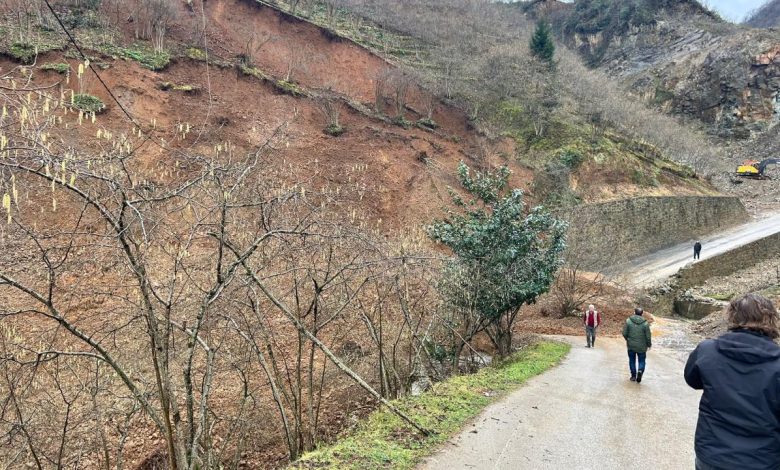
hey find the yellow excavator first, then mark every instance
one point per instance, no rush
(755, 169)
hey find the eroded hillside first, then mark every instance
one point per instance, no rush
(215, 221)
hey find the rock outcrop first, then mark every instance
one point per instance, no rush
(691, 64)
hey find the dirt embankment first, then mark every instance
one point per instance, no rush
(543, 317)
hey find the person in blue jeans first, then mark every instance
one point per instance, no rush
(636, 331)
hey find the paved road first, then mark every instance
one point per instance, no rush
(657, 267)
(585, 415)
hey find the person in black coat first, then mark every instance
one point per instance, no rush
(739, 412)
(697, 250)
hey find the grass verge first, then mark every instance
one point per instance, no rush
(383, 441)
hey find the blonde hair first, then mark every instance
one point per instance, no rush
(756, 313)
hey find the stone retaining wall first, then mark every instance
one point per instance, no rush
(729, 262)
(605, 234)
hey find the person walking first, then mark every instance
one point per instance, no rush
(739, 411)
(697, 250)
(592, 320)
(636, 331)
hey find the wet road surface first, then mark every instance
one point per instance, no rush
(586, 414)
(657, 267)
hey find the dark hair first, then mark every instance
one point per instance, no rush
(755, 313)
(638, 311)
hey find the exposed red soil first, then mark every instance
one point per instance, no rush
(403, 174)
(542, 318)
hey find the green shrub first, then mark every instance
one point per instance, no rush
(23, 52)
(289, 88)
(641, 178)
(153, 61)
(253, 72)
(401, 121)
(88, 103)
(61, 68)
(571, 157)
(140, 53)
(437, 351)
(197, 54)
(335, 130)
(26, 52)
(427, 123)
(542, 45)
(662, 95)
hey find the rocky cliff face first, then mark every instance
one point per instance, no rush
(734, 89)
(694, 65)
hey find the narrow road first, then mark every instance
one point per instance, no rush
(586, 414)
(657, 267)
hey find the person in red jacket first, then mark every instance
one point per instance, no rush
(592, 320)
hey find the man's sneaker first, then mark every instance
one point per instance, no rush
(639, 376)
(633, 378)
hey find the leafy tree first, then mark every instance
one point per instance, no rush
(542, 45)
(504, 257)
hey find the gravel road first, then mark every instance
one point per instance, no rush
(657, 267)
(586, 414)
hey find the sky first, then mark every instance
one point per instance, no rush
(734, 10)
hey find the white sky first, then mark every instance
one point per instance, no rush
(734, 10)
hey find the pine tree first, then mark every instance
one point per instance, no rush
(542, 45)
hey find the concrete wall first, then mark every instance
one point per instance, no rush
(728, 263)
(610, 233)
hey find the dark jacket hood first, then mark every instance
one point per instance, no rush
(748, 347)
(638, 319)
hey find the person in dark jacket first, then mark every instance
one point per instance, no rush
(697, 250)
(739, 412)
(636, 331)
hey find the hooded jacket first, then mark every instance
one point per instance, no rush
(739, 412)
(636, 331)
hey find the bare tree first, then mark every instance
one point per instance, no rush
(131, 291)
(380, 84)
(254, 44)
(330, 108)
(400, 83)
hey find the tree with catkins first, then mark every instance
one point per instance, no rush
(147, 297)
